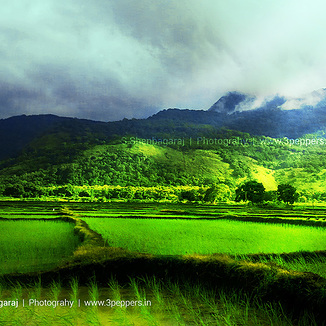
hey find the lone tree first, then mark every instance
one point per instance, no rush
(287, 193)
(251, 190)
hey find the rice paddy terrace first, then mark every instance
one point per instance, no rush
(151, 250)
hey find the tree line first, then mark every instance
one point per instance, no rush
(250, 191)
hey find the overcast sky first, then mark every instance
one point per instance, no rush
(110, 59)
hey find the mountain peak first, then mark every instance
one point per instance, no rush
(238, 102)
(229, 103)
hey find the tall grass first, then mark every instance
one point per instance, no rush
(27, 246)
(170, 237)
(313, 263)
(171, 304)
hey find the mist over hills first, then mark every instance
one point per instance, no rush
(238, 102)
(273, 117)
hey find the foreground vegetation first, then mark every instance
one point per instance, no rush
(158, 303)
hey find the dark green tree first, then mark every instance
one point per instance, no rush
(14, 190)
(270, 195)
(189, 195)
(84, 193)
(252, 190)
(287, 193)
(211, 194)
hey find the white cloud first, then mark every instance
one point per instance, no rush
(131, 58)
(311, 99)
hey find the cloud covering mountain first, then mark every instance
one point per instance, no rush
(238, 102)
(107, 59)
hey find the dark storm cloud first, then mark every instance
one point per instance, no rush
(84, 95)
(107, 59)
(12, 96)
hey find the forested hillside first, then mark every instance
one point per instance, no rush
(77, 161)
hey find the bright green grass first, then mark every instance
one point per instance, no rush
(33, 245)
(29, 210)
(157, 210)
(28, 216)
(115, 209)
(171, 237)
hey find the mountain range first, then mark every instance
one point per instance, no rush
(273, 116)
(238, 102)
(50, 151)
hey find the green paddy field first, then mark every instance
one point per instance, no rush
(32, 245)
(181, 237)
(77, 251)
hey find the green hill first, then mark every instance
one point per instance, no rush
(226, 158)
